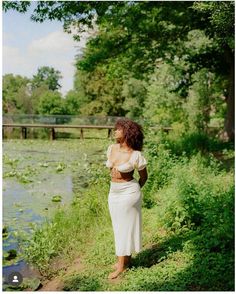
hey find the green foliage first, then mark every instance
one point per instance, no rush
(134, 93)
(160, 61)
(103, 95)
(22, 95)
(195, 197)
(51, 103)
(69, 225)
(198, 104)
(170, 64)
(81, 283)
(190, 143)
(15, 94)
(47, 75)
(159, 171)
(72, 103)
(188, 228)
(220, 20)
(163, 105)
(36, 93)
(19, 6)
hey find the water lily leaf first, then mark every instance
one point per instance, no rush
(57, 198)
(10, 174)
(11, 254)
(60, 167)
(17, 204)
(44, 164)
(4, 235)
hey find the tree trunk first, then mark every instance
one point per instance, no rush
(228, 133)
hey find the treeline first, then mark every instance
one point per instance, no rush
(170, 63)
(39, 95)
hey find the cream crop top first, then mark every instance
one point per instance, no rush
(136, 160)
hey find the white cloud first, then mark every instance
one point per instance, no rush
(56, 42)
(13, 61)
(57, 49)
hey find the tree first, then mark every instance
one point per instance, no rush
(47, 75)
(15, 94)
(219, 24)
(71, 103)
(51, 102)
(136, 34)
(103, 95)
(134, 92)
(36, 93)
(163, 105)
(199, 100)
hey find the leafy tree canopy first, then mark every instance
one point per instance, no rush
(49, 76)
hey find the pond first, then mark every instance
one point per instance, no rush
(38, 177)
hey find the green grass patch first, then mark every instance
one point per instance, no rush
(188, 229)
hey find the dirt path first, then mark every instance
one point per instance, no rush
(56, 284)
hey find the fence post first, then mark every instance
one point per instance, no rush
(81, 133)
(109, 133)
(52, 134)
(23, 133)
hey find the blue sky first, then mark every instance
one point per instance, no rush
(28, 45)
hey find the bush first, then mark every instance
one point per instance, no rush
(200, 197)
(193, 142)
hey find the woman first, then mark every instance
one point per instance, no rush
(125, 195)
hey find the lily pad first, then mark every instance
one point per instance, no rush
(44, 164)
(10, 254)
(60, 167)
(57, 198)
(4, 230)
(10, 174)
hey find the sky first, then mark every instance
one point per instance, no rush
(27, 45)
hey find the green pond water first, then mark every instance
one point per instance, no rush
(34, 173)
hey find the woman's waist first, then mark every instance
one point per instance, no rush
(123, 186)
(121, 179)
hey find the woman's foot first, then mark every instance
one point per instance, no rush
(115, 266)
(116, 273)
(127, 264)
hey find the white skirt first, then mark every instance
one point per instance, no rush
(124, 201)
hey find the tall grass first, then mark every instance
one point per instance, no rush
(188, 228)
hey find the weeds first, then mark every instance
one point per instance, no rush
(188, 227)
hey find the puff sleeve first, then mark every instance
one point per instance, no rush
(140, 161)
(109, 151)
(108, 163)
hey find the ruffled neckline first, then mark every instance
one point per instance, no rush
(117, 166)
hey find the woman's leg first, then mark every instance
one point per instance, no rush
(120, 268)
(127, 261)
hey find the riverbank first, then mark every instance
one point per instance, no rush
(38, 178)
(188, 230)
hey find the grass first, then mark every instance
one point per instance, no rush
(188, 230)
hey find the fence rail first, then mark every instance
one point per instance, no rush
(59, 119)
(53, 122)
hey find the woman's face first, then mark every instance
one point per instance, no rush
(118, 134)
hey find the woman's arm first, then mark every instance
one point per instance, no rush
(143, 177)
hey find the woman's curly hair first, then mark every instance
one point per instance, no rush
(133, 133)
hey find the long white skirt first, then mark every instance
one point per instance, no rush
(124, 201)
